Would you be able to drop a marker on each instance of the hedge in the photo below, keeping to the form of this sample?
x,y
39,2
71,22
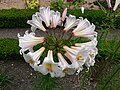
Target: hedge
x,y
17,18
9,49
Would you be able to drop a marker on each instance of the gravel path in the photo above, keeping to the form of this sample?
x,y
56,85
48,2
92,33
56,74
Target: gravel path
x,y
12,33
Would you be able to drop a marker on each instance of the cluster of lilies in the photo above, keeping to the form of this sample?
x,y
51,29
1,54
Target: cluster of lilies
x,y
74,58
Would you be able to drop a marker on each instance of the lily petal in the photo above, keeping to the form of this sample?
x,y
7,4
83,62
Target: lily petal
x,y
70,22
117,2
64,14
109,3
82,25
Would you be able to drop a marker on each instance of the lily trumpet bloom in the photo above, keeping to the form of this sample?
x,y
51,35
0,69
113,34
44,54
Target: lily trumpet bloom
x,y
85,31
33,58
49,66
117,2
92,52
55,18
91,43
78,54
60,31
36,22
45,15
70,22
66,68
29,40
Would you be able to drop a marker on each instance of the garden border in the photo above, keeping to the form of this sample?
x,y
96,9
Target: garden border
x,y
17,18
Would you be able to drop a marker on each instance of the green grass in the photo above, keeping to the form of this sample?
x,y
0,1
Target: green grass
x,y
46,82
111,79
5,79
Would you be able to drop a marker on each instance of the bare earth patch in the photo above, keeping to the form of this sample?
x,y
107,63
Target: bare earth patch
x,y
23,76
21,73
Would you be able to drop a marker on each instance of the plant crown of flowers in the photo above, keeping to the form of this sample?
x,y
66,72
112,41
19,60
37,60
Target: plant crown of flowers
x,y
67,45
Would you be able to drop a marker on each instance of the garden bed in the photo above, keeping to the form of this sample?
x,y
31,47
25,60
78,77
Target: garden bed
x,y
20,76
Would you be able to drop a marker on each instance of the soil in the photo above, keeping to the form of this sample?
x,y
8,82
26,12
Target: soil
x,y
23,76
21,73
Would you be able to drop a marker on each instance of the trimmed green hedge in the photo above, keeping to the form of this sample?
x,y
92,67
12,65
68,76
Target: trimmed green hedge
x,y
15,18
9,49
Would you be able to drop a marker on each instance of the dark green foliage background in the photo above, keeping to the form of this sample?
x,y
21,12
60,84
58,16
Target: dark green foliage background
x,y
9,49
17,18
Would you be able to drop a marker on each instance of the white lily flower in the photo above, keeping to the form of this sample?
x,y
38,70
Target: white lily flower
x,y
45,15
85,31
78,54
75,65
71,21
91,58
29,40
55,18
66,68
36,22
117,2
32,58
92,52
49,66
82,9
83,24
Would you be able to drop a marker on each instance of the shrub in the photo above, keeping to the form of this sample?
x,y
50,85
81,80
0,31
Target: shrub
x,y
17,18
13,18
9,49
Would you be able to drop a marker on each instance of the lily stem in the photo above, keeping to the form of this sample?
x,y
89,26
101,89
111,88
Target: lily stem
x,y
70,37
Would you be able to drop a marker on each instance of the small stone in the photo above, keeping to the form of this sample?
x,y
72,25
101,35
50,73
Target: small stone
x,y
22,80
31,74
12,64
